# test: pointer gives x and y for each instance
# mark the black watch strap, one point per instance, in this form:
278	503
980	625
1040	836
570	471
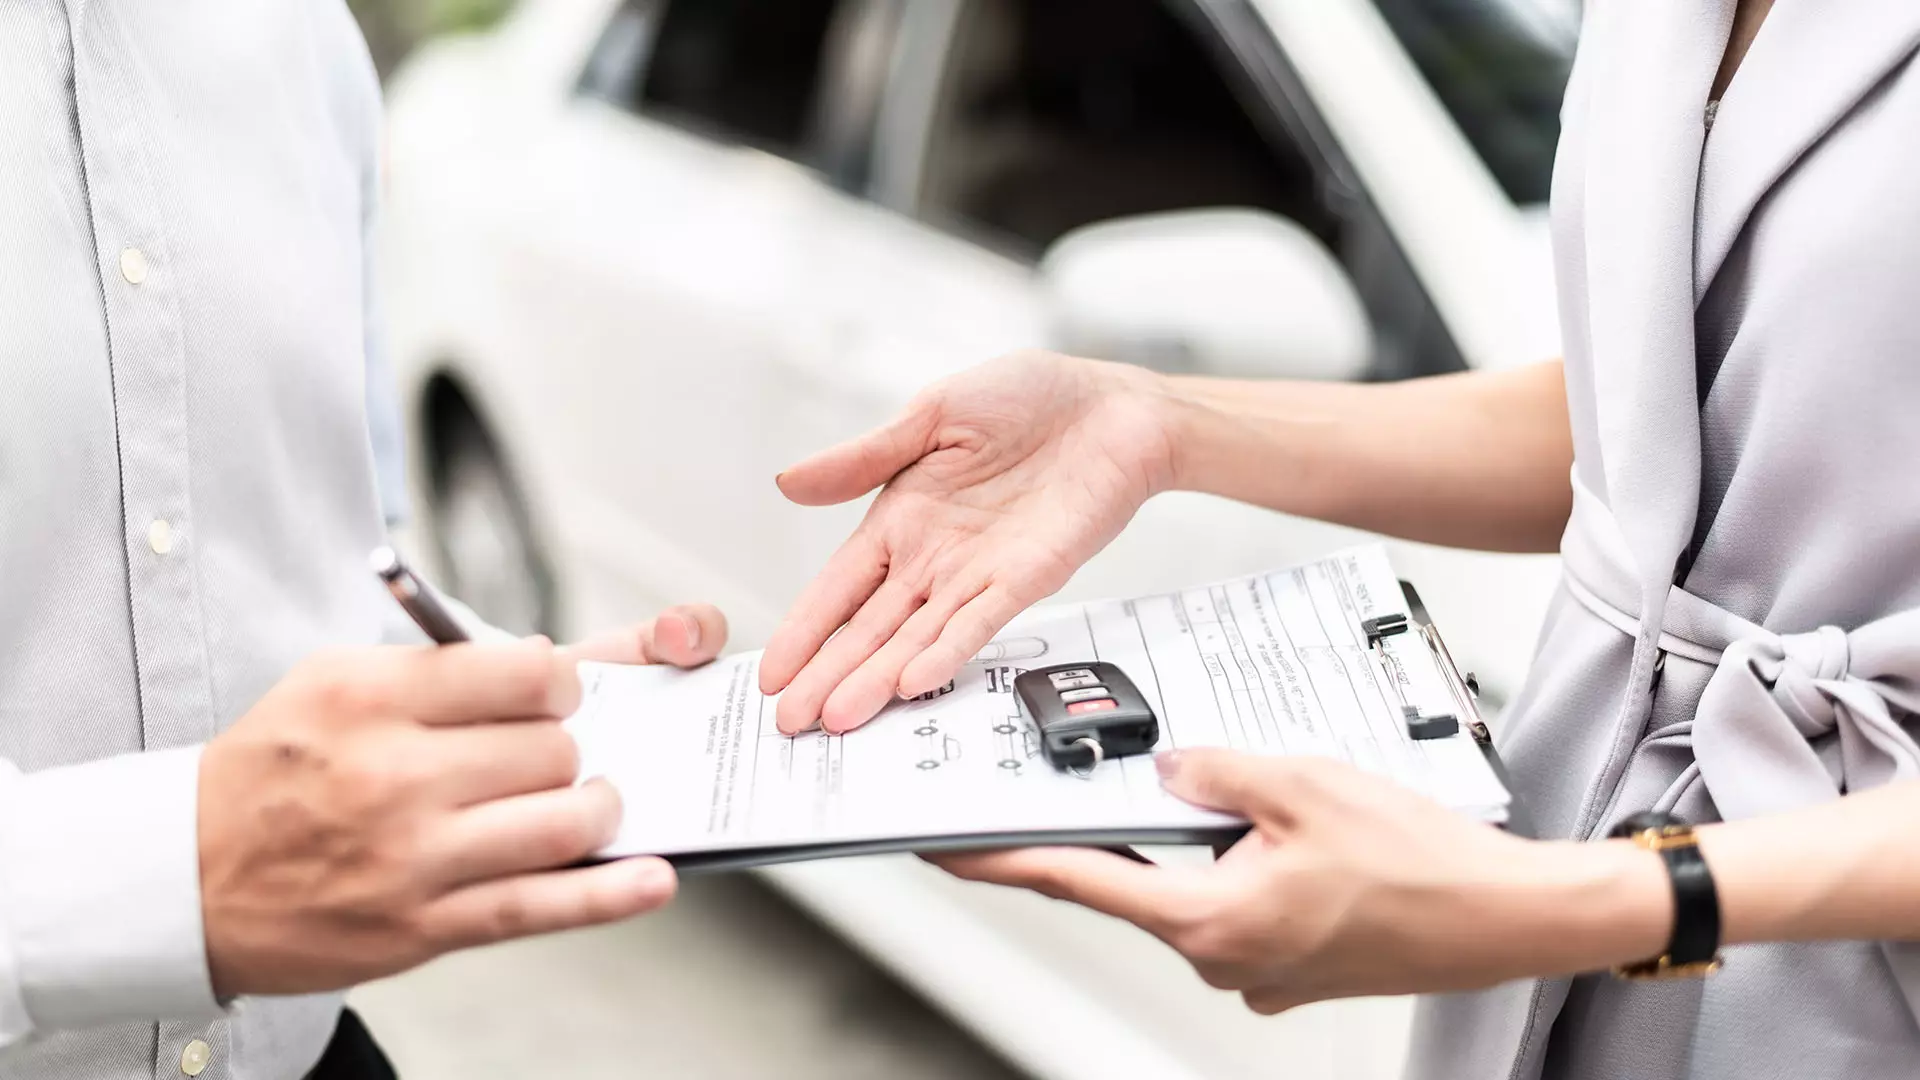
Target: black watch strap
1694	947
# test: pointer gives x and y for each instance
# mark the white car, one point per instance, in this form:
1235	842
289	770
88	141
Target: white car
642	255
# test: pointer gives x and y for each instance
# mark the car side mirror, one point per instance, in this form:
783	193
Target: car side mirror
1220	292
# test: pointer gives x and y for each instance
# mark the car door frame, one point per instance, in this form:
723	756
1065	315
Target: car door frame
1402	306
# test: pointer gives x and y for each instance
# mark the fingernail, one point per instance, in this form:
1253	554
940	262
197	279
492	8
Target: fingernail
652	875
1167	764
693	630
608	807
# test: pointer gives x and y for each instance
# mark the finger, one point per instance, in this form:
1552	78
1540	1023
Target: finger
847	582
543	903
685	636
473	683
870	628
857	466
689	635
966	632
876	682
541	831
496	761
1153	898
1267	790
633	645
1273	1000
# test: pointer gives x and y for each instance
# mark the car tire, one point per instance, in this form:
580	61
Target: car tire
483	537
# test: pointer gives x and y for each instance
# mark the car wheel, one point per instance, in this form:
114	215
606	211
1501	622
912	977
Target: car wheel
489	556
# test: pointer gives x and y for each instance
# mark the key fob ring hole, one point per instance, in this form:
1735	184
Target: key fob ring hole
1093	747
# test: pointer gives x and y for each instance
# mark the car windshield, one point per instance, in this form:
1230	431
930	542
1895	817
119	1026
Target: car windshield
1500	67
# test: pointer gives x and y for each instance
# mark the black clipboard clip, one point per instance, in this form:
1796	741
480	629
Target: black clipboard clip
1421	725
1462	687
1466	695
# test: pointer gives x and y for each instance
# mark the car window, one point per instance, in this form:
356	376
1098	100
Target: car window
744	70
1500	67
1061	113
801	78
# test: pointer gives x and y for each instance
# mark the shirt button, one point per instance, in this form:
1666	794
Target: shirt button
133	266
160	536
195	1058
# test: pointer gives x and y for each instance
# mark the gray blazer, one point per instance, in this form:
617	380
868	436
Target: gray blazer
1742	315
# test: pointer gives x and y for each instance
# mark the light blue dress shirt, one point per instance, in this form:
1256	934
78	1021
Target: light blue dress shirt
189	402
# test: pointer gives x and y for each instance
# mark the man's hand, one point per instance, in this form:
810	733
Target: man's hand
382	806
1000	482
1349	885
683	636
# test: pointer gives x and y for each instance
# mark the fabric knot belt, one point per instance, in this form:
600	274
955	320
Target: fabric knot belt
1771	694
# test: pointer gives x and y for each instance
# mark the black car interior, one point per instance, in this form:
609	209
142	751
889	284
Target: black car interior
1060	113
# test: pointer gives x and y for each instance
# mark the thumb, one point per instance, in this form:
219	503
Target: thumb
857	466
1258	789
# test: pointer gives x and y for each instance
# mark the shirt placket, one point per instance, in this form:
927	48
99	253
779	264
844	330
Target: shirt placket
147	350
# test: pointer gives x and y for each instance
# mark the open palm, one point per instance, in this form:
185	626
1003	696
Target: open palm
1000	482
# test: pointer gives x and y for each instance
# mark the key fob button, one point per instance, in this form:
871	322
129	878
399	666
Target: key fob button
1081	682
1086	694
1082	708
1077	676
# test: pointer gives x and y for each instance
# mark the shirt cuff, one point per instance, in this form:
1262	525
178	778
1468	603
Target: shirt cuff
100	891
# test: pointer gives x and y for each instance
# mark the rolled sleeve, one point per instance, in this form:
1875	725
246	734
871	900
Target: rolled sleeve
100	894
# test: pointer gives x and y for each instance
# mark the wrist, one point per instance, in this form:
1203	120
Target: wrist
102	904
1191	421
1181	413
1596	906
1288	446
1161	400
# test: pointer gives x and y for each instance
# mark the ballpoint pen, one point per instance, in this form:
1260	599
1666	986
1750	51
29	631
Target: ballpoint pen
416	598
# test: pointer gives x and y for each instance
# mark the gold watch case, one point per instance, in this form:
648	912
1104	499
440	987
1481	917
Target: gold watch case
1662	967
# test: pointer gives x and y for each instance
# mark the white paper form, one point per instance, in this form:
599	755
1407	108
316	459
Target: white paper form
1271	664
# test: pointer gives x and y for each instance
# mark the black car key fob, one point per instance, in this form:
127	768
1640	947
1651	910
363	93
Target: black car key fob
1086	714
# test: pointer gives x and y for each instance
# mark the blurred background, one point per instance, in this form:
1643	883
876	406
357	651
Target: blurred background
394	27
639	255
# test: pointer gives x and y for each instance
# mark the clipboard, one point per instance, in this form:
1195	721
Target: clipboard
1461	686
1465	689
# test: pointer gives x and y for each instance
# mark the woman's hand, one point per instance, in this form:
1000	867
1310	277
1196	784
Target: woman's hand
1000	482
1349	885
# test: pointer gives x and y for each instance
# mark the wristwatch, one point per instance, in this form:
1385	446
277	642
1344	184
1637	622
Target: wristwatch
1693	950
